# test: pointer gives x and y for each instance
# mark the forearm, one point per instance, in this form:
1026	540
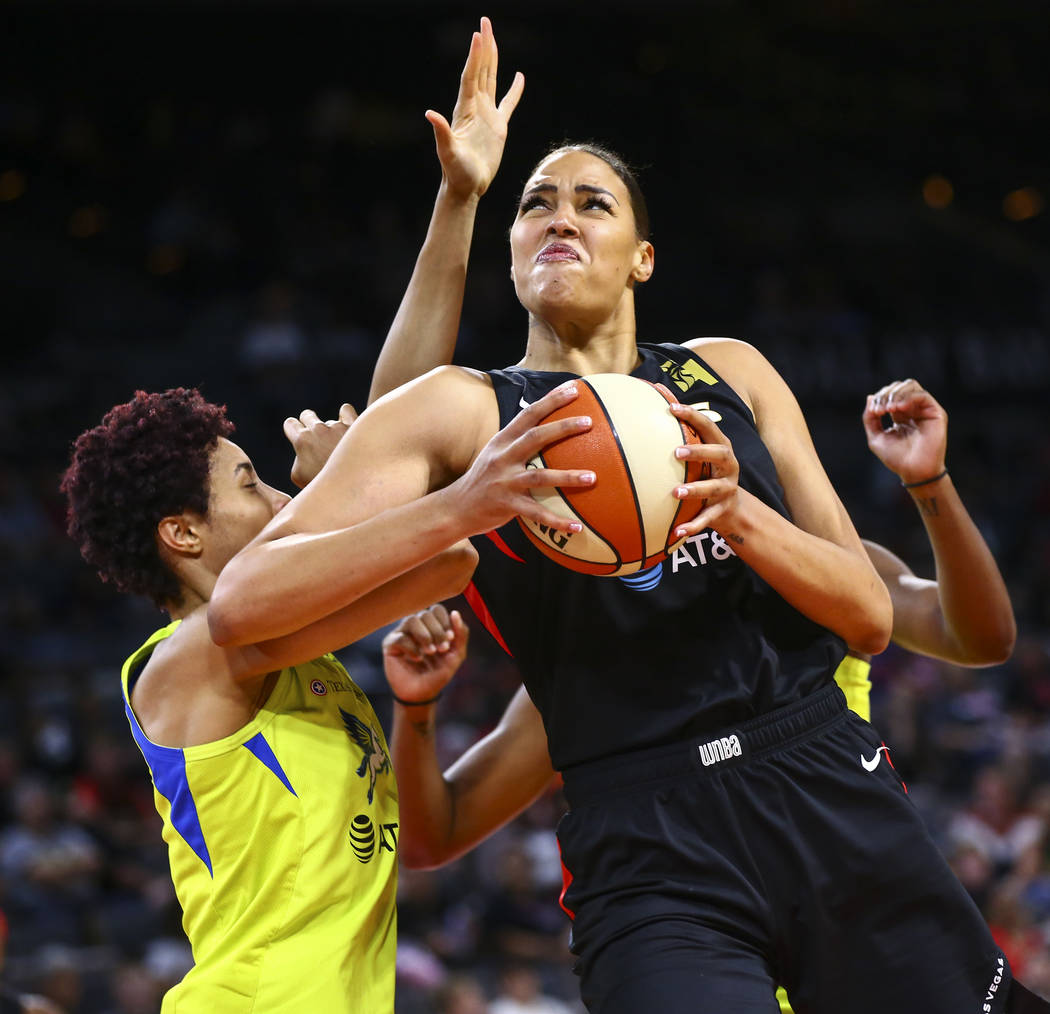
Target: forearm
423	334
494	781
442	577
825	581
977	613
425	798
281	583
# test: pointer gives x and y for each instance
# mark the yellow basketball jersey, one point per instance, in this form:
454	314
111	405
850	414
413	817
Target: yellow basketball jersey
282	841
853	679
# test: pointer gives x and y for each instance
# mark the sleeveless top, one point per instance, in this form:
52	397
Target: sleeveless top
693	644
282	842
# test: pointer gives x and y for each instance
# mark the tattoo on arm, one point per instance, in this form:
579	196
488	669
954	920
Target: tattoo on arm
424	728
928	505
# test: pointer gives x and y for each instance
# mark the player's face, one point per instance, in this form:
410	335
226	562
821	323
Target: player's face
240	504
575	251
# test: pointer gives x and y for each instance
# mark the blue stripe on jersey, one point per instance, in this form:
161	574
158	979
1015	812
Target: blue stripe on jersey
168	766
258	746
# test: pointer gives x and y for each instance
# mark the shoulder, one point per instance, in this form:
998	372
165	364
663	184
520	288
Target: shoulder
740	364
450	407
726	353
461	380
182	664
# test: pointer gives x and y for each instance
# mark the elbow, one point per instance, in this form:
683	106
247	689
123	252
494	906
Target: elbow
413	859
420	854
225	621
872	641
1002	647
457	563
220	627
872	634
1005	644
995	647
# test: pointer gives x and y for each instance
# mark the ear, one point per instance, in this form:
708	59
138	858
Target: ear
643	262
180	534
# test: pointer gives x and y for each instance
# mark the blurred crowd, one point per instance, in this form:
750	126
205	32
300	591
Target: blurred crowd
255	241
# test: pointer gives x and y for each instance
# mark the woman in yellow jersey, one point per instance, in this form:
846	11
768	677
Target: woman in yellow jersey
270	769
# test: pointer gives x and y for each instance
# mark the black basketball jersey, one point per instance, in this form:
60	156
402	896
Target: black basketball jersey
695	643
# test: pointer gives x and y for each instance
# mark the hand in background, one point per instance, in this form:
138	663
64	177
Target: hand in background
313	440
423	653
914	445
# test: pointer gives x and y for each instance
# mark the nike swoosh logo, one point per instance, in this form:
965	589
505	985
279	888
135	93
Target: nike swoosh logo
523	403
871	765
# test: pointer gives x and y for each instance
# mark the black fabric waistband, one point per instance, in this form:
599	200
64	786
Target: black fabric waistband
728	747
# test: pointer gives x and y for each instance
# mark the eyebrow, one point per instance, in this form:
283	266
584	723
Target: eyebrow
243	466
585	188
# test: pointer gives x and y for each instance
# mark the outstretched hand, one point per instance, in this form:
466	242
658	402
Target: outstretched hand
423	652
915	443
470	148
313	440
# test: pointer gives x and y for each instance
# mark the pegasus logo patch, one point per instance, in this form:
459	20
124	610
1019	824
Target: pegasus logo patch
375	761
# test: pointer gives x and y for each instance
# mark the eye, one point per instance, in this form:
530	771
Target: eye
598	201
533	201
251	485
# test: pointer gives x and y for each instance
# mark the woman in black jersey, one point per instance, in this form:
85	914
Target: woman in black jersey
732	824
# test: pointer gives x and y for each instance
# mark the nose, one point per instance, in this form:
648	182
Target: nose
278	499
563	221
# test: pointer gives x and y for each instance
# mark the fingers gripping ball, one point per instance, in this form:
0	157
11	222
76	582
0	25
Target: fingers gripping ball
629	515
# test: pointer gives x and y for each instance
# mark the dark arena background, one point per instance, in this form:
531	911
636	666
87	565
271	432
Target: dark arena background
232	196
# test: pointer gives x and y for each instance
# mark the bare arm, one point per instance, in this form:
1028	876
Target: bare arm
816	562
441	577
423	334
412	477
444	815
965	615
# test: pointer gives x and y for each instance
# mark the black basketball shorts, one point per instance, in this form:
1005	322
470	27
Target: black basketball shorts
783	851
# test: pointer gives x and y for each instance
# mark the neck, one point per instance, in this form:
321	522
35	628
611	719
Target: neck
195	593
568	350
581	339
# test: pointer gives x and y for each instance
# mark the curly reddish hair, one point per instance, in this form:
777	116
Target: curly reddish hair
148	459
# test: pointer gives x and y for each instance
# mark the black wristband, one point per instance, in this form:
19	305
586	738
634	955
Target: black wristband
414	704
925	482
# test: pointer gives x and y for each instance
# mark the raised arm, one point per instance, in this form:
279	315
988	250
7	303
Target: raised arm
423	334
815	561
445	814
965	615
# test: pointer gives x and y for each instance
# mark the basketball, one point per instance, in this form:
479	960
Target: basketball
629	514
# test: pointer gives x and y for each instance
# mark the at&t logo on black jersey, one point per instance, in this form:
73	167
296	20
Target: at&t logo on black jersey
697	551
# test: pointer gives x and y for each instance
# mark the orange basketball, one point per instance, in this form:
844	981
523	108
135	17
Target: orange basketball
629	515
